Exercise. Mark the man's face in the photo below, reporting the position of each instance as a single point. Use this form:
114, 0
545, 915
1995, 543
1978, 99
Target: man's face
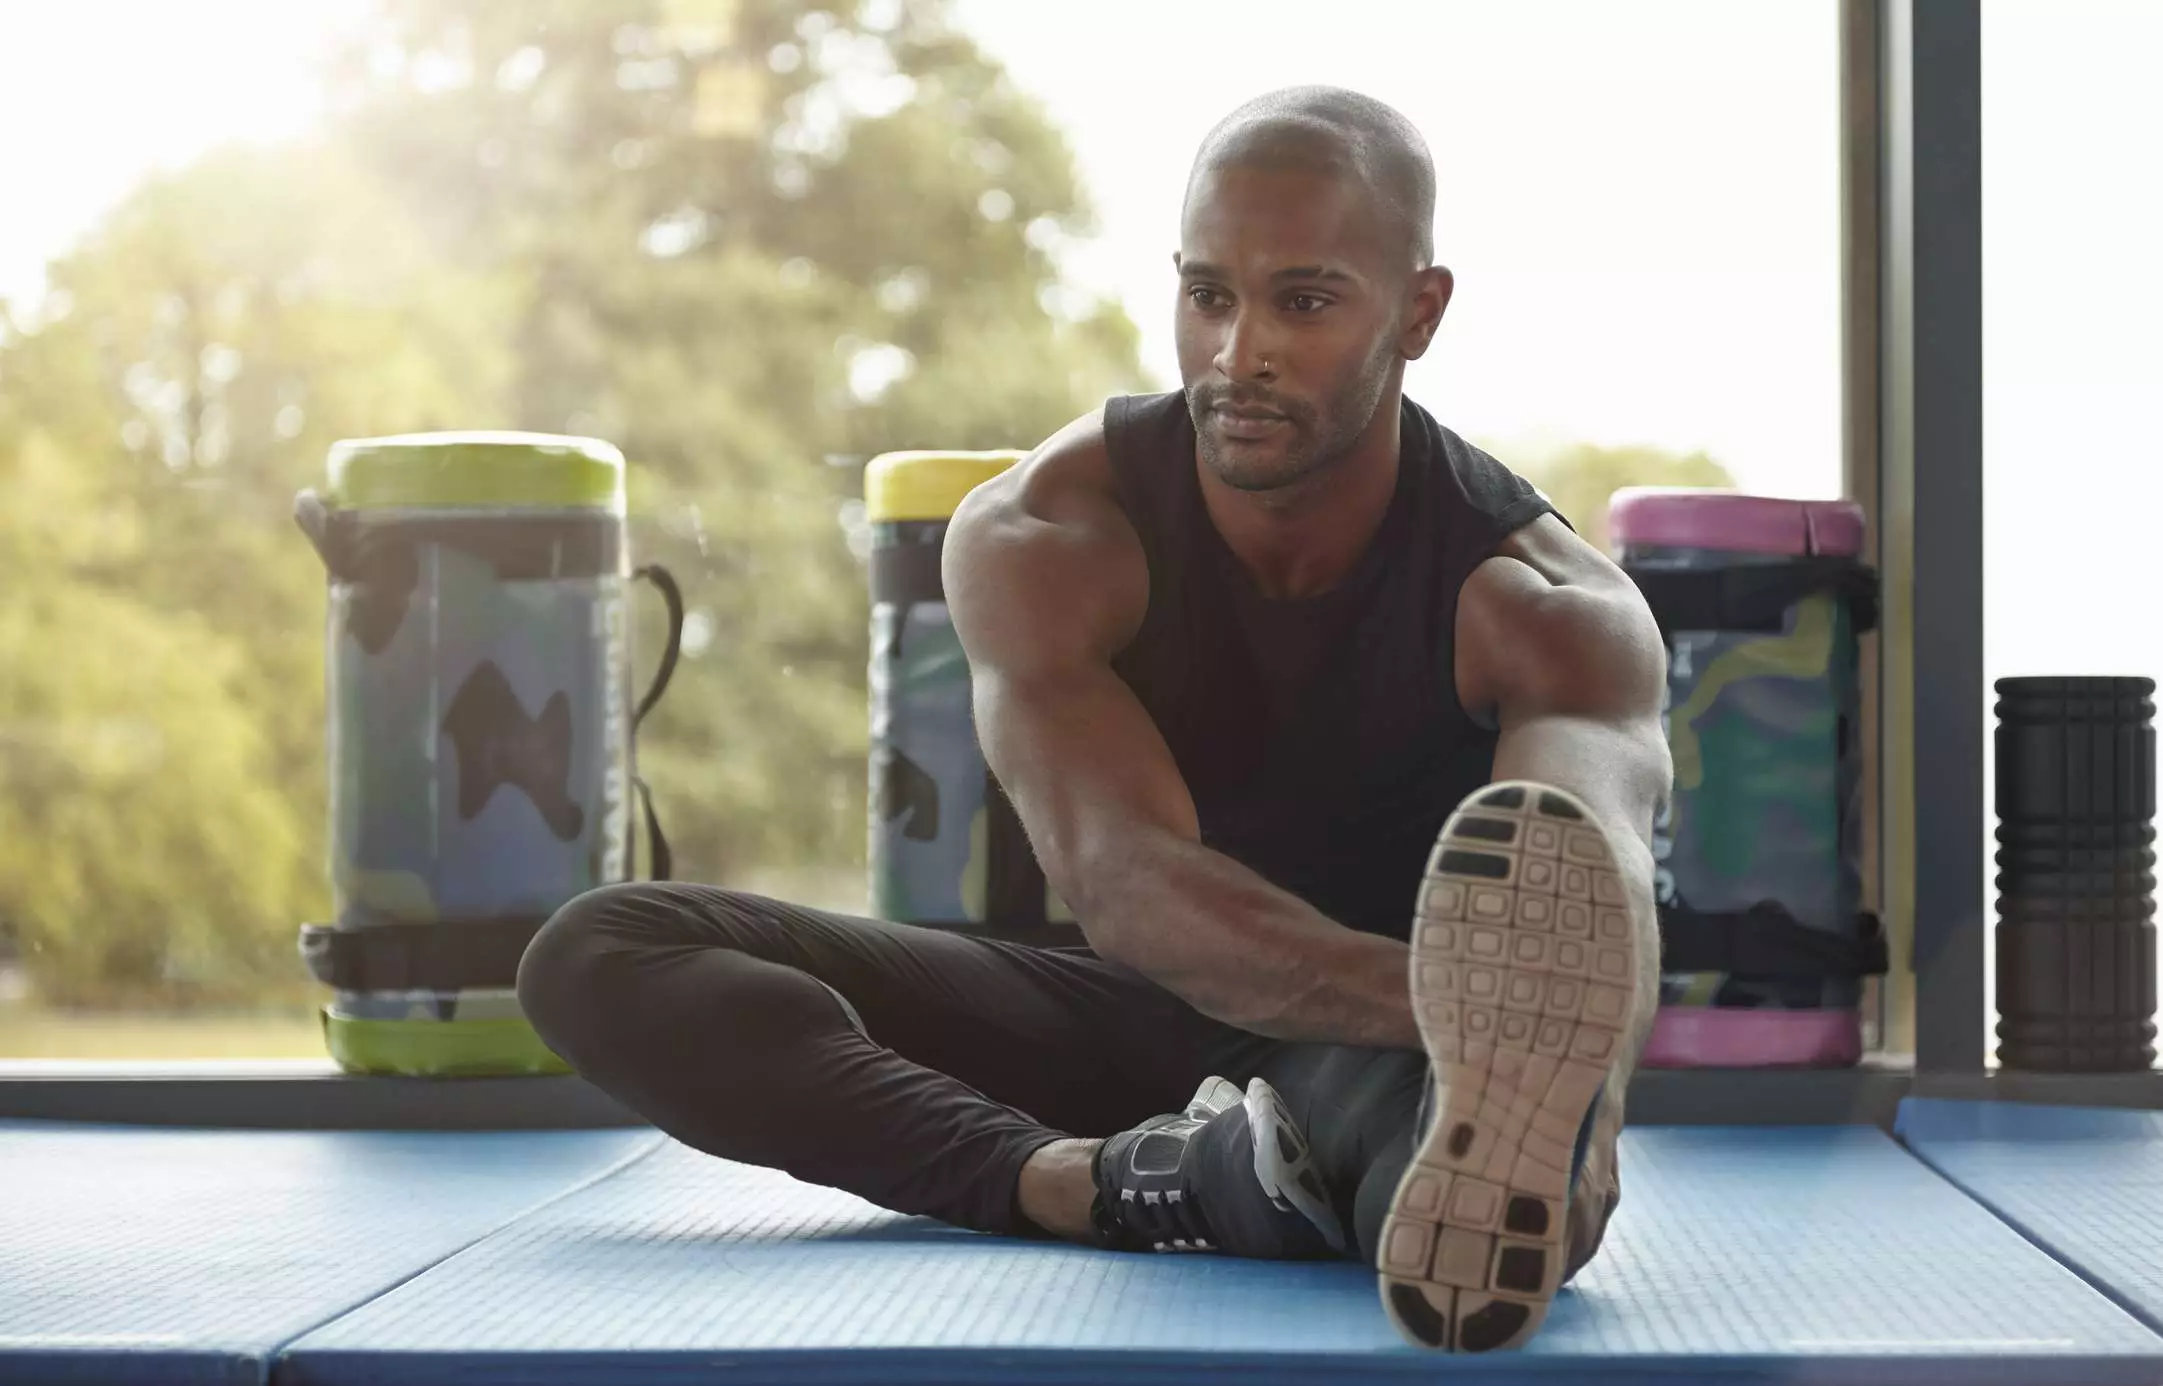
1291, 293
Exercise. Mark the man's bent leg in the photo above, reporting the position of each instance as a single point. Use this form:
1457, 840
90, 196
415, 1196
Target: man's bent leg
1358, 1108
726, 1020
1356, 1112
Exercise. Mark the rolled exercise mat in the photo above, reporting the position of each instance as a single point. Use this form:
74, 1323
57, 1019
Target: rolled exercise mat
1764, 941
947, 849
480, 732
2076, 761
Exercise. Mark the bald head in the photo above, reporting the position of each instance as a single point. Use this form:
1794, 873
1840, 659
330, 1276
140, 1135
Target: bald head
1306, 283
1335, 132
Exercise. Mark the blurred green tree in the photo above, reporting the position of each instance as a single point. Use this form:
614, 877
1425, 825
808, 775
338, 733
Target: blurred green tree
144, 842
740, 240
195, 356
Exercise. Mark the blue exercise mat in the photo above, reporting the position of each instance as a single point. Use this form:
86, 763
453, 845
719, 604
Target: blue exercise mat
2085, 1184
1826, 1255
179, 1256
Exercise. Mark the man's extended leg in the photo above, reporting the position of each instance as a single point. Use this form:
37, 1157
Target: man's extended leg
1535, 980
720, 1017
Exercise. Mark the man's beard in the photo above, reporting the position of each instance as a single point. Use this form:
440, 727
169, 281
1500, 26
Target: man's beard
1318, 438
1290, 455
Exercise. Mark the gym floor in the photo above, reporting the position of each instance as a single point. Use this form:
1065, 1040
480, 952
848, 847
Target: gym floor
1977, 1242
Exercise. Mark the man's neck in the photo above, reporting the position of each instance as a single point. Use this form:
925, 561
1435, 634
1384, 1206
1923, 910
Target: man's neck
1303, 540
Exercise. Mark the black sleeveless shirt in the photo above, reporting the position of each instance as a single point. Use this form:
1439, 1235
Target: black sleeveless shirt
1321, 737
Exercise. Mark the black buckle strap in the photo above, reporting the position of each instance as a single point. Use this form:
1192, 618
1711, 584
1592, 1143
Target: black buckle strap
1768, 941
661, 862
1754, 597
418, 957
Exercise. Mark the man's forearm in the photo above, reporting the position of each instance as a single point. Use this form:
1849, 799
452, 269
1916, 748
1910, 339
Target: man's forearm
1240, 950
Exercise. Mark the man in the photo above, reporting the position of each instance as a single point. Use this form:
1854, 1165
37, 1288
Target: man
1241, 655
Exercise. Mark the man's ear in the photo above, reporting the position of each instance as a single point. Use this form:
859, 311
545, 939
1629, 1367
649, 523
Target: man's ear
1431, 290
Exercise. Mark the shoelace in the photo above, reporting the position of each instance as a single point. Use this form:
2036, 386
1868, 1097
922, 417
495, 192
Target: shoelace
1157, 1204
1170, 1220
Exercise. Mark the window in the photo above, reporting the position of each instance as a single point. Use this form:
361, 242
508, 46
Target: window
1640, 201
743, 254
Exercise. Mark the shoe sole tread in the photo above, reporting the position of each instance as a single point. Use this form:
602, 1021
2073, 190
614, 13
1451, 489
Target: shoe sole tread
1523, 963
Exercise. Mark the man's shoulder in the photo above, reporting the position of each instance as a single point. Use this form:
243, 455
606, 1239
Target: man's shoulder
1110, 457
1545, 566
1550, 611
1041, 548
1072, 465
1060, 498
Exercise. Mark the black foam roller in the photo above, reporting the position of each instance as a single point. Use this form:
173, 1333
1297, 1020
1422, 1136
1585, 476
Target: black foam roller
2076, 798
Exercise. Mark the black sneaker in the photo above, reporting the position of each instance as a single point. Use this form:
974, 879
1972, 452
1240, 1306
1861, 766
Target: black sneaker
1230, 1174
1528, 987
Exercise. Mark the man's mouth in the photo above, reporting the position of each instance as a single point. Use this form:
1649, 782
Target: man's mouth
1242, 422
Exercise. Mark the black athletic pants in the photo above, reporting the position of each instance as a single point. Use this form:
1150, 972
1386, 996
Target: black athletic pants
703, 1010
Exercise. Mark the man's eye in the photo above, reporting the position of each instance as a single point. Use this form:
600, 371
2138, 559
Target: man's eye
1202, 296
1307, 303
